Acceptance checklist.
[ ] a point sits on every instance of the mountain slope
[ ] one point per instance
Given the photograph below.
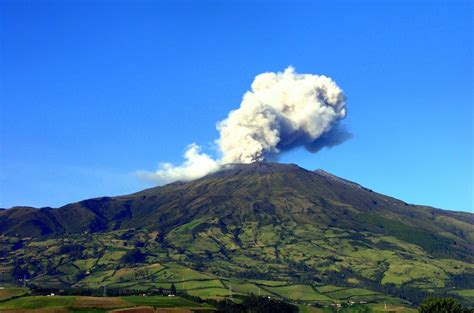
(261, 220)
(263, 192)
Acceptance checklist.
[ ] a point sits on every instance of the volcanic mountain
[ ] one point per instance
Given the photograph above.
(260, 220)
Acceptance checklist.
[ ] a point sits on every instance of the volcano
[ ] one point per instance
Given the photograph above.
(256, 221)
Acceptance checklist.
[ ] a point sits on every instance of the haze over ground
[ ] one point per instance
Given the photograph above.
(92, 92)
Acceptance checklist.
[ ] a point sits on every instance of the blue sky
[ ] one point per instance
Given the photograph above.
(93, 91)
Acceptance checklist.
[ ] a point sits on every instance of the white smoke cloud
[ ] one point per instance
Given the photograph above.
(281, 111)
(196, 165)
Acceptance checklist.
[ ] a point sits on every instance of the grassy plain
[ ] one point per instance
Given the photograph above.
(82, 304)
(7, 293)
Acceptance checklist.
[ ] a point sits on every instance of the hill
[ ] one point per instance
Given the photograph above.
(244, 224)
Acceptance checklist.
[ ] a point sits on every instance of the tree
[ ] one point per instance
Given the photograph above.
(133, 256)
(18, 272)
(253, 304)
(173, 289)
(139, 244)
(442, 305)
(74, 250)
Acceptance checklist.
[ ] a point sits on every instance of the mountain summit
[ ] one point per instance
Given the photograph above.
(273, 221)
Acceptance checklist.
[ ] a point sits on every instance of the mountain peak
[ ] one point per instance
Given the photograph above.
(255, 168)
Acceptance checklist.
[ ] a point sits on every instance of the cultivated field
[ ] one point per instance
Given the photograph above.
(306, 295)
(78, 304)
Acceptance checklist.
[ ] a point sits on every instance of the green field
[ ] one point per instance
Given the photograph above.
(349, 293)
(467, 293)
(299, 292)
(78, 304)
(309, 309)
(379, 308)
(7, 293)
(248, 288)
(329, 288)
(308, 294)
(36, 302)
(209, 292)
(164, 302)
(97, 304)
(269, 282)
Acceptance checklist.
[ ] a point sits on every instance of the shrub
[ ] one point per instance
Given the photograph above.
(442, 305)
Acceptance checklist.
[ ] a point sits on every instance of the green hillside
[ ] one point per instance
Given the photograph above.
(267, 228)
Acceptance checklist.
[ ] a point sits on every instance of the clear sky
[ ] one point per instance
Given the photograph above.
(92, 91)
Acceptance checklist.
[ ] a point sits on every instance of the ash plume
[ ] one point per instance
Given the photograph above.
(196, 165)
(282, 111)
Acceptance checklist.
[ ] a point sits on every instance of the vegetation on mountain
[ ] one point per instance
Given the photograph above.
(84, 300)
(261, 228)
(133, 256)
(442, 305)
(254, 304)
